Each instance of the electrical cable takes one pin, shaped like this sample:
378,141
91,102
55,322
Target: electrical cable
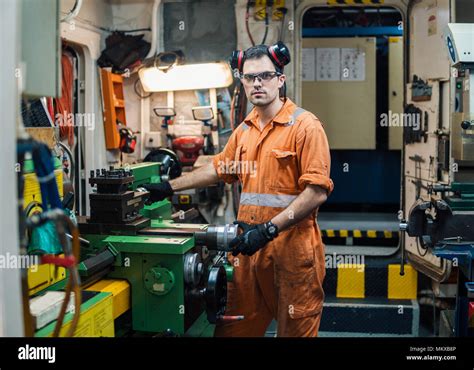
247,15
44,168
266,22
233,106
29,327
240,104
71,160
63,105
69,261
283,10
74,11
74,281
135,85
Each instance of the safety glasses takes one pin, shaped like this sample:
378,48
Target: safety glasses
262,76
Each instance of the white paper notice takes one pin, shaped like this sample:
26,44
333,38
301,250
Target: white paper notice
309,67
352,64
328,64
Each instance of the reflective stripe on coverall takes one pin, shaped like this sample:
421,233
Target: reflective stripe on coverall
282,281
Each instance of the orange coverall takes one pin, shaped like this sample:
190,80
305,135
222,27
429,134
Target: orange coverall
283,280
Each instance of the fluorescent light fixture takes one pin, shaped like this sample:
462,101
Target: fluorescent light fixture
186,77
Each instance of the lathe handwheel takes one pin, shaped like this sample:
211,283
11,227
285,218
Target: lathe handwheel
215,295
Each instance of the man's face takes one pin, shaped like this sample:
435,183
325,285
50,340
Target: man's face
261,92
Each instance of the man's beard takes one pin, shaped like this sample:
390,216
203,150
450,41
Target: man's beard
260,102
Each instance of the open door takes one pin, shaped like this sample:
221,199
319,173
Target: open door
352,80
426,121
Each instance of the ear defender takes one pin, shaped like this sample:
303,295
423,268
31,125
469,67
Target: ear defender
128,140
278,54
237,60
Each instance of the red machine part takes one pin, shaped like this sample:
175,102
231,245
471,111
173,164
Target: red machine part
188,148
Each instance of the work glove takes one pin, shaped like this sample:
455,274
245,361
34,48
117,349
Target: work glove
159,191
252,238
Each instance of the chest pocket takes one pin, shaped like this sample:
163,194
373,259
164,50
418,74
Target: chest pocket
243,167
282,170
239,153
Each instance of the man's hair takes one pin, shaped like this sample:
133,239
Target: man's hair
257,52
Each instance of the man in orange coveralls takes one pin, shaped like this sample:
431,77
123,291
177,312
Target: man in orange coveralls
280,153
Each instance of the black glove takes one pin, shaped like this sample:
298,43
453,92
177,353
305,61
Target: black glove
252,238
159,191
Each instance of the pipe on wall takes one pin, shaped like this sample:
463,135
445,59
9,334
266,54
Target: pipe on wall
154,29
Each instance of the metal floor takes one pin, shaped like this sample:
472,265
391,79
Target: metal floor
363,222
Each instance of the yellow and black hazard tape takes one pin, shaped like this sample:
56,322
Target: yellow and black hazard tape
365,280
375,234
355,2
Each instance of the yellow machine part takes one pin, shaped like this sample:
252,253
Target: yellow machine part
120,290
95,321
32,192
41,276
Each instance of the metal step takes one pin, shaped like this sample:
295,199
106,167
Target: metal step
372,316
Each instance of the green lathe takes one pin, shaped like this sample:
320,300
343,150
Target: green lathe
177,272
